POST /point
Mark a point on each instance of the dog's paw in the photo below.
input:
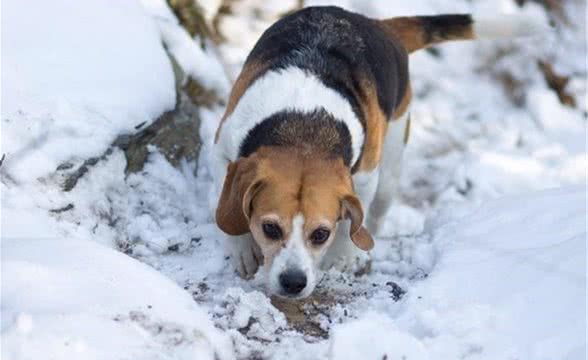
(246, 256)
(249, 263)
(352, 262)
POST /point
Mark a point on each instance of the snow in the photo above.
(196, 60)
(72, 84)
(509, 281)
(484, 257)
(374, 337)
(77, 298)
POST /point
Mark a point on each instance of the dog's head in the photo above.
(291, 203)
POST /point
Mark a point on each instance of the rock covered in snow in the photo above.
(74, 78)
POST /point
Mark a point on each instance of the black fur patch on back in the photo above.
(340, 48)
(313, 131)
(445, 27)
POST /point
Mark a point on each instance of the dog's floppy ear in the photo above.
(239, 190)
(351, 207)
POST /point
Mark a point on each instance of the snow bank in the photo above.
(74, 77)
(509, 283)
(511, 280)
(76, 299)
(374, 337)
(196, 57)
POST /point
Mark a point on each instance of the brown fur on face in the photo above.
(278, 183)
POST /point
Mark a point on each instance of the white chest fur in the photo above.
(288, 89)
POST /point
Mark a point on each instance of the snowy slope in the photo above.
(509, 283)
(75, 76)
(477, 261)
(73, 298)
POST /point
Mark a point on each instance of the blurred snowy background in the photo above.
(107, 116)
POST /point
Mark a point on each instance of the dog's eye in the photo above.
(272, 230)
(319, 236)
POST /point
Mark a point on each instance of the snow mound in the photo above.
(77, 299)
(72, 83)
(374, 337)
(509, 282)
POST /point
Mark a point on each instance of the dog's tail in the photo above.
(418, 32)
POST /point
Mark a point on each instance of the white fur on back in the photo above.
(288, 89)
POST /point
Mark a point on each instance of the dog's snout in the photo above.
(293, 281)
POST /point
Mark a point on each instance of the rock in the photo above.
(201, 95)
(191, 16)
(395, 290)
(174, 134)
(557, 83)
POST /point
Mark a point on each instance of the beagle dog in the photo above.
(309, 150)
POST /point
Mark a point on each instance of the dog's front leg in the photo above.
(343, 255)
(245, 254)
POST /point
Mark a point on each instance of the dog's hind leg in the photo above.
(390, 171)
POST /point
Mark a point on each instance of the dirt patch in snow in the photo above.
(303, 315)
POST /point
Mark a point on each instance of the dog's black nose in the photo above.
(293, 281)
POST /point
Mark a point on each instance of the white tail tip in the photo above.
(504, 26)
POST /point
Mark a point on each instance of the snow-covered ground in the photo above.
(485, 258)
